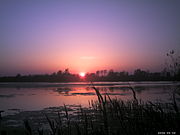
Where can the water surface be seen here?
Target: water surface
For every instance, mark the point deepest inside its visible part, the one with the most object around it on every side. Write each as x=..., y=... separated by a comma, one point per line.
x=15, y=97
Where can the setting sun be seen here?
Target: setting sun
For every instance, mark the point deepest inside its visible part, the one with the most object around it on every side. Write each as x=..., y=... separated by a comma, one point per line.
x=82, y=74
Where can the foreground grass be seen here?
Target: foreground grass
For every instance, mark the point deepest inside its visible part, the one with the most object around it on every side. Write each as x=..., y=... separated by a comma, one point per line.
x=109, y=117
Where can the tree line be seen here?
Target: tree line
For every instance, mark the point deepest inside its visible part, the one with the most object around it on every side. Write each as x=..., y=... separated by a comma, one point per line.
x=170, y=73
x=100, y=75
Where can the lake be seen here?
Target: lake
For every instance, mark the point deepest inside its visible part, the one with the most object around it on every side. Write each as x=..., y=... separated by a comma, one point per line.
x=16, y=97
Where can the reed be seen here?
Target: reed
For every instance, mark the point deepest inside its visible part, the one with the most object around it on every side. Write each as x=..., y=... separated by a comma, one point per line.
x=27, y=127
x=109, y=116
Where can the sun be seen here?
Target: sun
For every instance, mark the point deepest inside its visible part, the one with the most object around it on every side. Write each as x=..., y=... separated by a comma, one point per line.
x=82, y=74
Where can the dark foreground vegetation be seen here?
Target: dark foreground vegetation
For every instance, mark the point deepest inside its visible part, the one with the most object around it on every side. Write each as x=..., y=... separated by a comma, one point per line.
x=107, y=117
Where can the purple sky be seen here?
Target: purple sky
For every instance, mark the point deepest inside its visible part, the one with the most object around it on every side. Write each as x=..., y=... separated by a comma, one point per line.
x=43, y=37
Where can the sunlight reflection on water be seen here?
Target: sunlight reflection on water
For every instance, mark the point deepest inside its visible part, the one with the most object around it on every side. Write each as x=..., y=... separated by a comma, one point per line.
x=16, y=97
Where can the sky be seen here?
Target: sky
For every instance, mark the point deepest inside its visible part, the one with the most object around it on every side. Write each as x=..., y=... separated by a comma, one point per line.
x=39, y=37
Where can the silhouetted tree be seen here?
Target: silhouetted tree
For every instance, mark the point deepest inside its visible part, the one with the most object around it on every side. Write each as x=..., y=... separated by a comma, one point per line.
x=18, y=75
x=101, y=72
x=111, y=72
x=100, y=75
x=140, y=74
x=59, y=73
x=66, y=71
x=174, y=64
x=105, y=72
x=97, y=72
